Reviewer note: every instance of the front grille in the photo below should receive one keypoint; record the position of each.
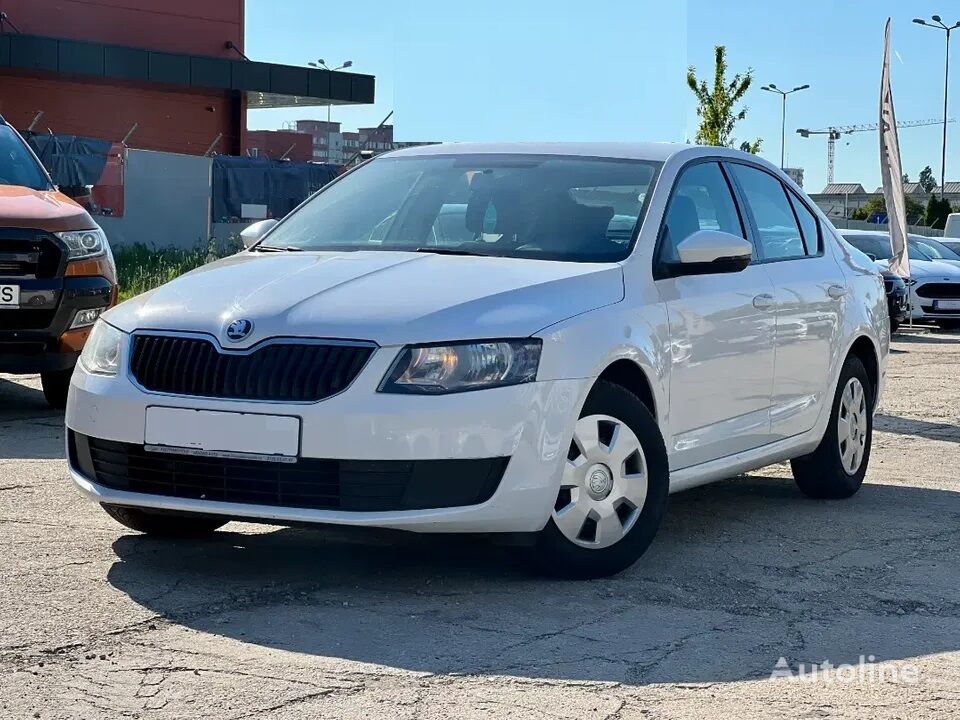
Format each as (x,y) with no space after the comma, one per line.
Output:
(26,319)
(28,254)
(356,485)
(280,372)
(939,290)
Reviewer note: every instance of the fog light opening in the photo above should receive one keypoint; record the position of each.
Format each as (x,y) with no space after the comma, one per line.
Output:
(85,318)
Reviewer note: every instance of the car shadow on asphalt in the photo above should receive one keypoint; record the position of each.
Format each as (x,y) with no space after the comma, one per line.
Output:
(29,428)
(742,573)
(940,338)
(949,432)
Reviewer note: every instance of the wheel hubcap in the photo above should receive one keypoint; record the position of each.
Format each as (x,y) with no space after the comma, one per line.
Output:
(852,426)
(604,483)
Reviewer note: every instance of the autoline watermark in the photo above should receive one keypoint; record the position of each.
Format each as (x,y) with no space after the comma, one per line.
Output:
(866,670)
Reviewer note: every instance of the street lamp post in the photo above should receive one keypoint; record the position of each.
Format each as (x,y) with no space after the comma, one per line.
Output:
(322,64)
(783,113)
(938,24)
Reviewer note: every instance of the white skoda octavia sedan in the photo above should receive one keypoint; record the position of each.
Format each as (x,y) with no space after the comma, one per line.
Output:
(538,340)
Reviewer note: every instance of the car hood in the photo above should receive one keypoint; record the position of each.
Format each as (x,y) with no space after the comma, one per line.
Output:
(391,298)
(928,269)
(44,209)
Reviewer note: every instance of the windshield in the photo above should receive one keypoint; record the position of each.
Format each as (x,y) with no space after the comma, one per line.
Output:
(17,164)
(877,245)
(932,249)
(530,206)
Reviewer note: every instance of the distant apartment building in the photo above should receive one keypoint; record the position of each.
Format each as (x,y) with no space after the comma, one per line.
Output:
(280,145)
(333,145)
(795,174)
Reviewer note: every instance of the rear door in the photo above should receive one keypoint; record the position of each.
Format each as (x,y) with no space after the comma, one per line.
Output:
(721,331)
(810,291)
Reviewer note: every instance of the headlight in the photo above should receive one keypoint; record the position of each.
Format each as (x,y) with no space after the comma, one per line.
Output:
(82,244)
(457,367)
(101,354)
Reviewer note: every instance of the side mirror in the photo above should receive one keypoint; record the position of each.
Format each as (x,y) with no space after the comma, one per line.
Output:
(251,234)
(710,251)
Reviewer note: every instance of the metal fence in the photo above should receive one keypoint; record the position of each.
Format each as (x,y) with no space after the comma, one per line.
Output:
(844,224)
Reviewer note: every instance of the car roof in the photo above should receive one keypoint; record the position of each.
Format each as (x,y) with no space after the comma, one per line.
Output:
(658,152)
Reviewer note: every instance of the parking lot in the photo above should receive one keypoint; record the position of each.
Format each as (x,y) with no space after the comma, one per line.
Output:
(98,622)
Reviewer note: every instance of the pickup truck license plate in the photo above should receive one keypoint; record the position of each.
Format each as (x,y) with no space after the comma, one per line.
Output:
(9,296)
(207,433)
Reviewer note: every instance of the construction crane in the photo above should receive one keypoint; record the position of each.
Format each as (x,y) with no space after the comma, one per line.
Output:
(834,132)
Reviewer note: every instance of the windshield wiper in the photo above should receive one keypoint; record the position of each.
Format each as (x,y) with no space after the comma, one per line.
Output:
(274,248)
(452,251)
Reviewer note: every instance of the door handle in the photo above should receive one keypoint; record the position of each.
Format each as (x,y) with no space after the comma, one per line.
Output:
(763,301)
(836,291)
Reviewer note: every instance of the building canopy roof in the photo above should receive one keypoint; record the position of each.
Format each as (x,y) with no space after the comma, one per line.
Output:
(266,85)
(844,189)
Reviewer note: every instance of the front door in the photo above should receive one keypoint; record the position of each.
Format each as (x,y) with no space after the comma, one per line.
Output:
(721,332)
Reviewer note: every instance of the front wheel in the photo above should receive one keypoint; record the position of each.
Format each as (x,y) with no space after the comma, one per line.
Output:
(613,493)
(56,386)
(837,467)
(164,524)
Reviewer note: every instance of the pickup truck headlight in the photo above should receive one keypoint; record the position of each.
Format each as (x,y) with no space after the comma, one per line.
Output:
(101,353)
(462,366)
(83,244)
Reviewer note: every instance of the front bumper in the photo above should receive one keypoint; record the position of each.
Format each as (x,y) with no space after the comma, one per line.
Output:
(530,424)
(898,305)
(32,337)
(927,295)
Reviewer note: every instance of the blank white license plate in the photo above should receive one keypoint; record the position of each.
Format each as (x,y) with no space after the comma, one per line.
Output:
(273,438)
(9,296)
(947,304)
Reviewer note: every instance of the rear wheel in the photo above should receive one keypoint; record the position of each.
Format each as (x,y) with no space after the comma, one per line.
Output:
(164,524)
(837,467)
(55,386)
(613,493)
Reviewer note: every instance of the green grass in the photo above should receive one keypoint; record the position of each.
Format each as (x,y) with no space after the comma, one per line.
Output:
(141,268)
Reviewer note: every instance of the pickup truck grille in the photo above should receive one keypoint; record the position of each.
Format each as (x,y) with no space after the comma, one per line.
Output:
(26,319)
(289,371)
(28,254)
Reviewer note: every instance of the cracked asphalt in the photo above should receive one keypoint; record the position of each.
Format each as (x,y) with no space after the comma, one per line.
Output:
(267,622)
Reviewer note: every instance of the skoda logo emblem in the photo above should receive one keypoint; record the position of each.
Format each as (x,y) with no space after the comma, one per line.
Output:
(239,329)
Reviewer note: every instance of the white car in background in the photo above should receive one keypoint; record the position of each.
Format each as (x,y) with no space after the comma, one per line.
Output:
(934,283)
(538,339)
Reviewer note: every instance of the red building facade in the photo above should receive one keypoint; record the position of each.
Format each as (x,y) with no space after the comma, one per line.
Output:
(172,71)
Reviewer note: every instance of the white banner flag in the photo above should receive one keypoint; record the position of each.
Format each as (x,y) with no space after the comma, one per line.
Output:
(890,170)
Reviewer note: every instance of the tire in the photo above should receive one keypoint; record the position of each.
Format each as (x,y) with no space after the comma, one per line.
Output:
(56,385)
(828,472)
(164,524)
(574,543)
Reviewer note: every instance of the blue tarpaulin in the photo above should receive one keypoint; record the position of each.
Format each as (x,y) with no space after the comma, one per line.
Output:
(281,185)
(71,160)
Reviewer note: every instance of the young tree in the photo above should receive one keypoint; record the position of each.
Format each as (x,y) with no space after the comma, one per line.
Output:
(716,104)
(937,212)
(876,205)
(926,180)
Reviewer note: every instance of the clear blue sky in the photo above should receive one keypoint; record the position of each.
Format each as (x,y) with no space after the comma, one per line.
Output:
(614,70)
